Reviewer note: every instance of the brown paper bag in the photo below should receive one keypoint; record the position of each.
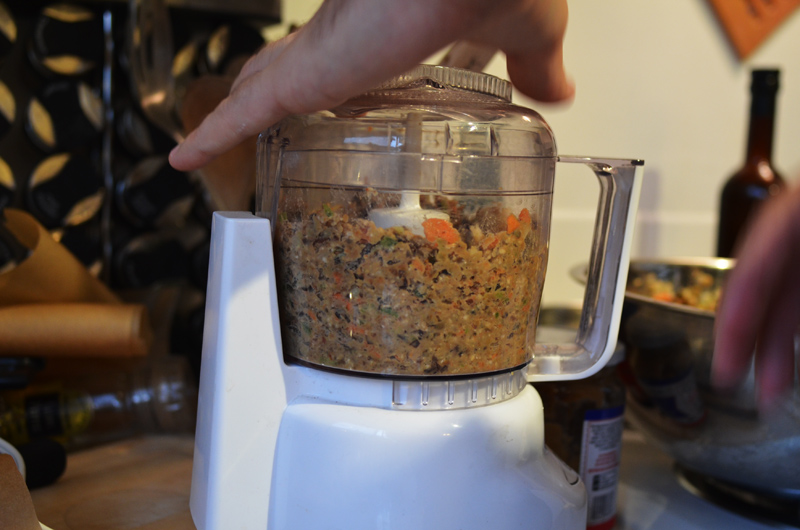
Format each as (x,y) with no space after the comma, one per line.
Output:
(50,273)
(16,507)
(75,330)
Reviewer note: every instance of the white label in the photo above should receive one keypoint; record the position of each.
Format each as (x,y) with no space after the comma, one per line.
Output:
(600,455)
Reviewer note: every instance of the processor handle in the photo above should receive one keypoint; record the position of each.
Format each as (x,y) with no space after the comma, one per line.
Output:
(620,182)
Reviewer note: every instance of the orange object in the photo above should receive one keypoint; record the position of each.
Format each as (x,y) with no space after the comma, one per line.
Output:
(489,243)
(512,222)
(440,229)
(749,22)
(664,297)
(525,216)
(75,330)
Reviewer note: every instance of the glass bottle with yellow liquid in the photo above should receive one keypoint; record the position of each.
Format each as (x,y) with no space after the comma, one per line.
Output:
(90,411)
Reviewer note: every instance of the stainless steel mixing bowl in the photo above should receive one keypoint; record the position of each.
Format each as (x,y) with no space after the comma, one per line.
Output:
(670,398)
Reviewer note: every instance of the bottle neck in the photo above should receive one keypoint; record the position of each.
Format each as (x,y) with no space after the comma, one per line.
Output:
(762,125)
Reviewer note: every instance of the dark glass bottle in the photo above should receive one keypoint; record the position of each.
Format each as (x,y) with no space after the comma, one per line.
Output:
(757,180)
(81,412)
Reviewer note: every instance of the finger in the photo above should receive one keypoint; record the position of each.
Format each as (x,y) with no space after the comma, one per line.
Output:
(776,345)
(350,46)
(758,282)
(541,76)
(775,354)
(531,34)
(326,63)
(263,58)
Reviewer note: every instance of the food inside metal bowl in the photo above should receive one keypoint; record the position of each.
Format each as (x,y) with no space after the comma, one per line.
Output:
(696,286)
(668,330)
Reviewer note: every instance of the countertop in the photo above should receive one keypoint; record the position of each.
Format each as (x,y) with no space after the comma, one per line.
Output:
(144,483)
(138,484)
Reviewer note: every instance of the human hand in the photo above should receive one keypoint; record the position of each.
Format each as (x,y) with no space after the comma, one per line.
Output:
(760,307)
(350,46)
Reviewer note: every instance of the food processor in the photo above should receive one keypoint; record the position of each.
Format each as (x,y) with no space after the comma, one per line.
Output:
(370,331)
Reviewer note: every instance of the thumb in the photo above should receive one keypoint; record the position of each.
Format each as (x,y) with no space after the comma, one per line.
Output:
(541,76)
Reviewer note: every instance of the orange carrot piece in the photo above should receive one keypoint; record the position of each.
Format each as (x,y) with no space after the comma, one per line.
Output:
(490,242)
(416,263)
(525,216)
(373,352)
(439,229)
(512,222)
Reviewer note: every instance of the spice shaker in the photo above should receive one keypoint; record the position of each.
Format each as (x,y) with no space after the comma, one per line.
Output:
(583,427)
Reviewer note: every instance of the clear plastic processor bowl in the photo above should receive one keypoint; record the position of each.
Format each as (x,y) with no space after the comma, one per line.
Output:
(411,227)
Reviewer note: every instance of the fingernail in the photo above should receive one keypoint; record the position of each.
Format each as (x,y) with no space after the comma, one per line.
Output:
(174,154)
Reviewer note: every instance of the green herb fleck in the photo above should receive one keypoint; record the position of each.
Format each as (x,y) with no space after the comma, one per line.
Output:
(327,209)
(387,242)
(389,311)
(501,295)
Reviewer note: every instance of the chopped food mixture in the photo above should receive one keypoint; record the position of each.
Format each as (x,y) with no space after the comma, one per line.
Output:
(701,291)
(454,300)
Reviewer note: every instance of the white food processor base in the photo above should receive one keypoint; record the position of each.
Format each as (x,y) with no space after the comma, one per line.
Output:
(345,467)
(282,447)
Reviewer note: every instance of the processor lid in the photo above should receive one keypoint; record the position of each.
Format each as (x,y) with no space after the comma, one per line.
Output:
(430,110)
